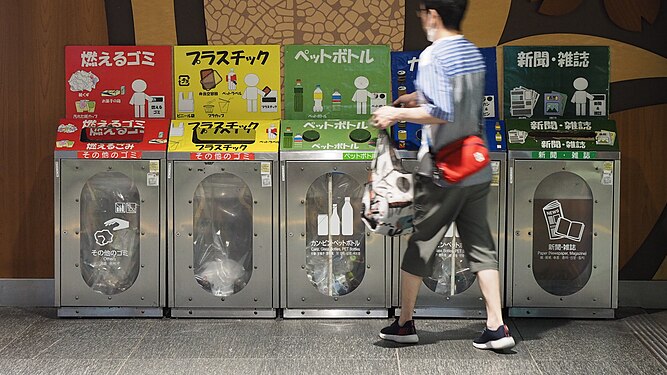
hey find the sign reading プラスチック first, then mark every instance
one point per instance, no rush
(227, 82)
(556, 82)
(125, 82)
(335, 82)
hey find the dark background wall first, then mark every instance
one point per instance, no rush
(34, 32)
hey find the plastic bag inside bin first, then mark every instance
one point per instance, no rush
(223, 234)
(110, 227)
(335, 234)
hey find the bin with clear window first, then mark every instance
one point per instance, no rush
(223, 218)
(332, 267)
(563, 214)
(110, 217)
(452, 289)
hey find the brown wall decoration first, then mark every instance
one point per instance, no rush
(32, 93)
(306, 22)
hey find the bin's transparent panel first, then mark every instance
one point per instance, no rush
(451, 274)
(110, 227)
(223, 233)
(563, 238)
(335, 234)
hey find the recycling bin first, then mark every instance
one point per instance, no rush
(452, 289)
(331, 266)
(563, 213)
(223, 218)
(110, 216)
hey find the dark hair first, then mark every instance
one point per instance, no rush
(451, 11)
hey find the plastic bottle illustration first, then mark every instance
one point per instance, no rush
(334, 222)
(298, 96)
(231, 79)
(335, 100)
(317, 97)
(287, 138)
(347, 218)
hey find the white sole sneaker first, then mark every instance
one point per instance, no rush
(401, 339)
(504, 343)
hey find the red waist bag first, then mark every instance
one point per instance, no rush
(462, 158)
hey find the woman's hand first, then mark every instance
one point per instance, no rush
(407, 100)
(385, 116)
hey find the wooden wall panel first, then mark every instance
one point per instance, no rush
(642, 133)
(32, 77)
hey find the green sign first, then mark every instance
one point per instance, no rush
(355, 138)
(561, 135)
(336, 82)
(556, 82)
(358, 155)
(570, 155)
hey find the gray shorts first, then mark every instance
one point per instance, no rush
(435, 209)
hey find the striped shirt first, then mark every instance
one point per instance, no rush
(450, 86)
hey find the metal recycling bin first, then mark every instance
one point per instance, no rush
(331, 265)
(452, 290)
(110, 218)
(563, 214)
(223, 218)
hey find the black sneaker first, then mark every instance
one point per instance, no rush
(404, 335)
(498, 339)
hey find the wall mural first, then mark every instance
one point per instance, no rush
(305, 22)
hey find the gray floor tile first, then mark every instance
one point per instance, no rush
(70, 367)
(194, 366)
(226, 328)
(334, 366)
(90, 348)
(579, 340)
(587, 367)
(26, 347)
(466, 366)
(661, 318)
(172, 347)
(12, 366)
(126, 328)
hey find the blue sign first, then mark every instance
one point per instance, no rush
(404, 67)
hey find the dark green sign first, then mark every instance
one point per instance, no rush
(551, 136)
(556, 82)
(570, 155)
(334, 82)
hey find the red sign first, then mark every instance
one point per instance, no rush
(227, 156)
(108, 155)
(112, 139)
(118, 82)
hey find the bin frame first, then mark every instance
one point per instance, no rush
(331, 157)
(222, 311)
(564, 312)
(109, 310)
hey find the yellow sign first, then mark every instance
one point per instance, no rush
(227, 82)
(228, 136)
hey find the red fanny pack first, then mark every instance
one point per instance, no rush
(462, 158)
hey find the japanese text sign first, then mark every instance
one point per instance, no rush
(227, 82)
(336, 82)
(128, 82)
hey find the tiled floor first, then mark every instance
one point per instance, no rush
(34, 341)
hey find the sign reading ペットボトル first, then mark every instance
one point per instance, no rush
(227, 82)
(335, 82)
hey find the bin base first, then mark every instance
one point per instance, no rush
(335, 313)
(560, 312)
(110, 312)
(181, 312)
(451, 312)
